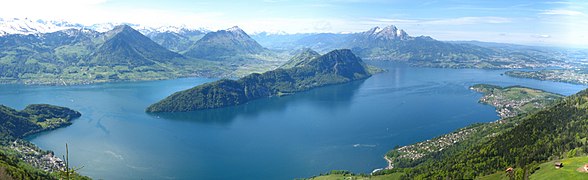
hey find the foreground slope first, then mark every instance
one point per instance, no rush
(338, 66)
(20, 159)
(572, 169)
(552, 133)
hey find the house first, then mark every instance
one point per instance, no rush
(558, 165)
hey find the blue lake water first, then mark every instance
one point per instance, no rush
(349, 126)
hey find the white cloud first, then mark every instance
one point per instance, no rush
(471, 20)
(541, 36)
(562, 12)
(447, 21)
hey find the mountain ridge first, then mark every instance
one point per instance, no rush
(126, 46)
(338, 66)
(224, 43)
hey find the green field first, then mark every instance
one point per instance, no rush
(569, 171)
(357, 177)
(498, 175)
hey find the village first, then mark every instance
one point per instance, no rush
(511, 101)
(576, 76)
(45, 160)
(419, 150)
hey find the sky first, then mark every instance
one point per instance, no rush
(534, 22)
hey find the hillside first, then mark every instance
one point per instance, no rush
(179, 41)
(34, 118)
(303, 57)
(81, 56)
(572, 169)
(509, 102)
(128, 47)
(20, 159)
(223, 44)
(335, 67)
(522, 143)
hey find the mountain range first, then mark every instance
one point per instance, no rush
(30, 26)
(57, 52)
(392, 43)
(80, 55)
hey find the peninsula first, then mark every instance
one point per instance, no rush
(304, 71)
(20, 159)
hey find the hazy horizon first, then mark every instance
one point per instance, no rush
(553, 23)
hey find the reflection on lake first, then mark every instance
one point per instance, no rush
(327, 98)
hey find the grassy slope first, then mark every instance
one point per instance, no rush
(356, 177)
(495, 176)
(548, 171)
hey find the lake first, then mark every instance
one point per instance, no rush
(348, 127)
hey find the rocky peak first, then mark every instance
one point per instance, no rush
(236, 30)
(387, 33)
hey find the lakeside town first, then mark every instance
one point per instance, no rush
(44, 160)
(574, 76)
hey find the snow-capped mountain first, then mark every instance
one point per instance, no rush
(238, 32)
(386, 33)
(29, 26)
(179, 29)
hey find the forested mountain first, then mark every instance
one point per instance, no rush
(301, 58)
(125, 46)
(81, 56)
(34, 118)
(223, 44)
(338, 66)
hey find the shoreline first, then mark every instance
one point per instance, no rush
(390, 163)
(388, 167)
